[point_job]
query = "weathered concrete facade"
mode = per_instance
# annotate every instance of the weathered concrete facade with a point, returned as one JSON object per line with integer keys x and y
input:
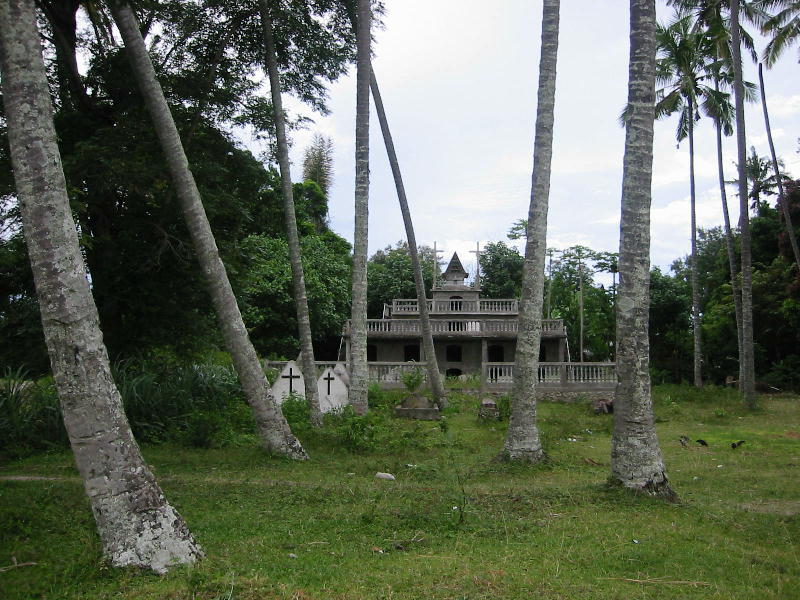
{"x": 472, "y": 335}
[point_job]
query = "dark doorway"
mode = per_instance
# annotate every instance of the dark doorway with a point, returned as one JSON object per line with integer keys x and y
{"x": 411, "y": 352}
{"x": 455, "y": 303}
{"x": 453, "y": 353}
{"x": 453, "y": 372}
{"x": 372, "y": 353}
{"x": 496, "y": 353}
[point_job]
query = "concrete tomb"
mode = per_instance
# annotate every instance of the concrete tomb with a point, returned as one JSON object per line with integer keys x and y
{"x": 290, "y": 381}
{"x": 332, "y": 391}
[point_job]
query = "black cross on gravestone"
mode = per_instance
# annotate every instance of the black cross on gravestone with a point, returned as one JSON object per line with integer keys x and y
{"x": 291, "y": 377}
{"x": 329, "y": 378}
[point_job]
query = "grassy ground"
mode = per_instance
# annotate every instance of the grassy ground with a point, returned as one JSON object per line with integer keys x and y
{"x": 454, "y": 524}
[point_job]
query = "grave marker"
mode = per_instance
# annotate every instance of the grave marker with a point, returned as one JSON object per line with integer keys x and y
{"x": 290, "y": 381}
{"x": 332, "y": 391}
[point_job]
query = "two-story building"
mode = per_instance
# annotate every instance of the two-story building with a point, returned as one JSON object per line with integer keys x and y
{"x": 471, "y": 335}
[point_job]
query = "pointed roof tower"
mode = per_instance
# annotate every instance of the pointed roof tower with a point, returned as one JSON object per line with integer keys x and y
{"x": 455, "y": 274}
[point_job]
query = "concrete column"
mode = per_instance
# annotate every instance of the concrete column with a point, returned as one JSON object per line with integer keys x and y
{"x": 484, "y": 360}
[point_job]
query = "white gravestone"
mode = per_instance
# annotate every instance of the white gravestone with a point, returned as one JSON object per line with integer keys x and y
{"x": 289, "y": 381}
{"x": 332, "y": 391}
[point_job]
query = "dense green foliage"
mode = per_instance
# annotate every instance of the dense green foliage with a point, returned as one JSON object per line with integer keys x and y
{"x": 390, "y": 276}
{"x": 145, "y": 280}
{"x": 455, "y": 523}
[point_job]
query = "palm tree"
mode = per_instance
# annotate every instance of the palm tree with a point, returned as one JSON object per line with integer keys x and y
{"x": 434, "y": 376}
{"x": 636, "y": 461}
{"x": 293, "y": 240}
{"x": 747, "y": 358}
{"x": 522, "y": 441}
{"x": 137, "y": 525}
{"x": 358, "y": 317}
{"x": 272, "y": 426}
{"x": 715, "y": 27}
{"x": 783, "y": 26}
{"x": 761, "y": 179}
{"x": 682, "y": 58}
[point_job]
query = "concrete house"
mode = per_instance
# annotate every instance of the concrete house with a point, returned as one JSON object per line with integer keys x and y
{"x": 471, "y": 335}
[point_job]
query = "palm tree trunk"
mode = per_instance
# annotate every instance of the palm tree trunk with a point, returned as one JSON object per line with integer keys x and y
{"x": 636, "y": 461}
{"x": 580, "y": 305}
{"x": 434, "y": 376}
{"x": 747, "y": 381}
{"x": 358, "y": 316}
{"x": 781, "y": 197}
{"x": 522, "y": 441}
{"x": 295, "y": 259}
{"x": 137, "y": 525}
{"x": 695, "y": 277}
{"x": 272, "y": 426}
{"x": 729, "y": 242}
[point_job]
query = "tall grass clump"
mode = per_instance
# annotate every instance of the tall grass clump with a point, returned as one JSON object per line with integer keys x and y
{"x": 30, "y": 416}
{"x": 200, "y": 405}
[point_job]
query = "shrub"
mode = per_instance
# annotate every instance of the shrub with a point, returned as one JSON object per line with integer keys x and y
{"x": 412, "y": 379}
{"x": 30, "y": 415}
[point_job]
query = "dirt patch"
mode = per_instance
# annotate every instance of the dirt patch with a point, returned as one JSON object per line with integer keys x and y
{"x": 793, "y": 434}
{"x": 784, "y": 508}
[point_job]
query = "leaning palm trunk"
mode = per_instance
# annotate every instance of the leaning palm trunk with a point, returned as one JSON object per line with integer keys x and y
{"x": 298, "y": 280}
{"x": 434, "y": 376}
{"x": 781, "y": 196}
{"x": 695, "y": 277}
{"x": 729, "y": 243}
{"x": 636, "y": 461}
{"x": 137, "y": 525}
{"x": 522, "y": 439}
{"x": 358, "y": 316}
{"x": 747, "y": 367}
{"x": 272, "y": 426}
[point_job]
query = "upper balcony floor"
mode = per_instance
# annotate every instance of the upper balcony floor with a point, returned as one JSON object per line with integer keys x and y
{"x": 455, "y": 328}
{"x": 403, "y": 307}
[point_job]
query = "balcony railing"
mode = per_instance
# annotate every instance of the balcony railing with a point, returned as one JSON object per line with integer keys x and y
{"x": 551, "y": 375}
{"x": 558, "y": 373}
{"x": 454, "y": 327}
{"x": 410, "y": 306}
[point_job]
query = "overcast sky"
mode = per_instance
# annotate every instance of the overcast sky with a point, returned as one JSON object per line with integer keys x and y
{"x": 458, "y": 78}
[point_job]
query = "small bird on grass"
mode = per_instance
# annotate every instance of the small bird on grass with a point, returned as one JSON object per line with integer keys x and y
{"x": 684, "y": 441}
{"x": 702, "y": 442}
{"x": 735, "y": 445}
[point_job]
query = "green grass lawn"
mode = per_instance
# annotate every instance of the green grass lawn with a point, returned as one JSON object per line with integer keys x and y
{"x": 455, "y": 524}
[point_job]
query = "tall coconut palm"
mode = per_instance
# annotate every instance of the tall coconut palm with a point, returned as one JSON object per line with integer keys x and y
{"x": 272, "y": 426}
{"x": 682, "y": 56}
{"x": 522, "y": 441}
{"x": 358, "y": 316}
{"x": 711, "y": 19}
{"x": 783, "y": 27}
{"x": 137, "y": 526}
{"x": 293, "y": 240}
{"x": 786, "y": 28}
{"x": 747, "y": 359}
{"x": 434, "y": 376}
{"x": 636, "y": 461}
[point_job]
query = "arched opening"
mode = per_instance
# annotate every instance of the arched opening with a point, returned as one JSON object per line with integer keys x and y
{"x": 372, "y": 353}
{"x": 496, "y": 353}
{"x": 456, "y": 303}
{"x": 453, "y": 373}
{"x": 411, "y": 352}
{"x": 453, "y": 353}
